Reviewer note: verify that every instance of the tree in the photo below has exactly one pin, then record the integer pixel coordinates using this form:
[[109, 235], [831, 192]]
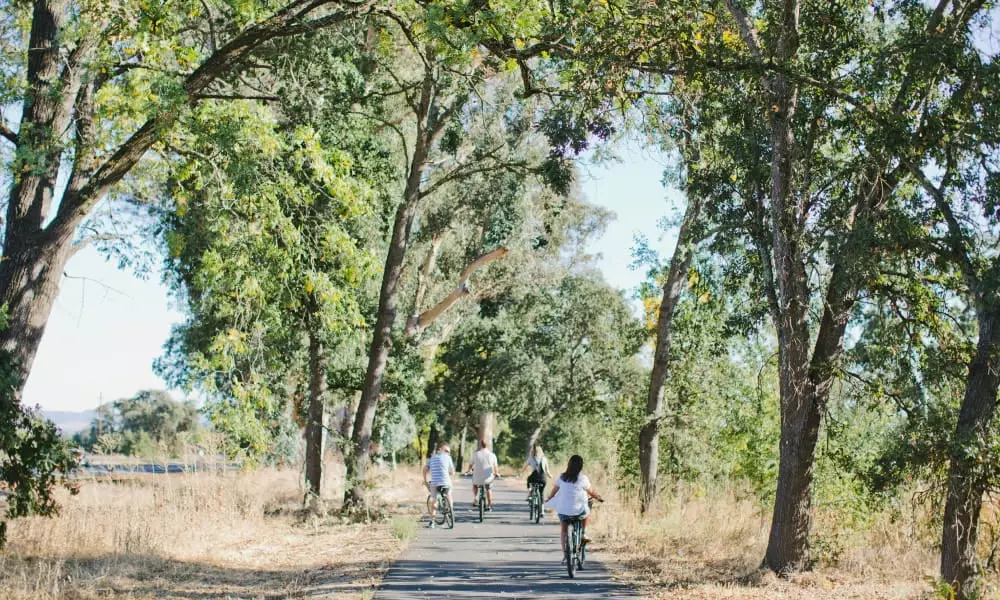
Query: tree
[[91, 107], [449, 134], [150, 415], [559, 351], [297, 229]]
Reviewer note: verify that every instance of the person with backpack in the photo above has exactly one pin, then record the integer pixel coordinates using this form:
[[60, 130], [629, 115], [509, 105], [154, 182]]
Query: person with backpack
[[539, 466]]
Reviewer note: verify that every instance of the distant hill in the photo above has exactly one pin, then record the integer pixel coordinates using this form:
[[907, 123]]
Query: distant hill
[[71, 422]]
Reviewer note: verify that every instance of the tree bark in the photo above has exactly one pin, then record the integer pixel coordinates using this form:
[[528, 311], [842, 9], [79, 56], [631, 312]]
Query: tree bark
[[29, 284], [536, 434], [966, 482], [418, 323], [378, 356], [317, 413], [649, 435], [487, 426]]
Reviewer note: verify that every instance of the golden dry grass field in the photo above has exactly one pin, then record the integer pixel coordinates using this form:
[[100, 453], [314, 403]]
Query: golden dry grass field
[[221, 537], [205, 537], [708, 546]]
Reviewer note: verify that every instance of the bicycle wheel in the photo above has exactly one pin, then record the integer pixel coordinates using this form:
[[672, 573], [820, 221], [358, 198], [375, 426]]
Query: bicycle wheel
[[531, 508], [571, 551], [482, 505], [440, 516], [538, 505], [583, 555], [449, 514]]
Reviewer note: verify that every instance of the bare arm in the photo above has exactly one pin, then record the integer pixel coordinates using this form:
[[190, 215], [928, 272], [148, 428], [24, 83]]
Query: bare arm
[[594, 495], [555, 488]]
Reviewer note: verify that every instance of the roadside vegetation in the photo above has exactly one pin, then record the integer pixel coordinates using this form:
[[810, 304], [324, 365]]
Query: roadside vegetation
[[371, 216], [181, 536]]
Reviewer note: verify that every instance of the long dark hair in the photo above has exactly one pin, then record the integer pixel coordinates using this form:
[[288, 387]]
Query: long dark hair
[[573, 469]]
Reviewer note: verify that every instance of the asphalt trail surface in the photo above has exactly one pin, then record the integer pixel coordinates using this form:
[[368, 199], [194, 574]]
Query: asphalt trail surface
[[503, 557]]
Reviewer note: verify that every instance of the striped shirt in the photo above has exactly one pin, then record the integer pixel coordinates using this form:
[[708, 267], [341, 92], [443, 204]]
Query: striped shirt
[[441, 467]]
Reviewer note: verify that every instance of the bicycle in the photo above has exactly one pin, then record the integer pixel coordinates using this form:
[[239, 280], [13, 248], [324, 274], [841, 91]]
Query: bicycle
[[444, 514], [576, 549], [535, 501], [481, 498]]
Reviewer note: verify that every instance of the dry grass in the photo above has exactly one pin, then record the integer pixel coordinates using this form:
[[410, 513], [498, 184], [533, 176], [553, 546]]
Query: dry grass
[[701, 546], [202, 536]]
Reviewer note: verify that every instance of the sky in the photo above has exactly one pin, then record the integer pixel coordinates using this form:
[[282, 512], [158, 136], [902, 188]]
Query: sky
[[108, 326]]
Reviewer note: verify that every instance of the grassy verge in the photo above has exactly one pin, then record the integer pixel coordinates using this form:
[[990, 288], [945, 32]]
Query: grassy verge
[[204, 536], [708, 545]]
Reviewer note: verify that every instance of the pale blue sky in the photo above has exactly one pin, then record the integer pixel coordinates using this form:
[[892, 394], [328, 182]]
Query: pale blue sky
[[108, 327]]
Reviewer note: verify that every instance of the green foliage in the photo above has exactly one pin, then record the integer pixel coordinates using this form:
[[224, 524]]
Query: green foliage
[[149, 424], [34, 457]]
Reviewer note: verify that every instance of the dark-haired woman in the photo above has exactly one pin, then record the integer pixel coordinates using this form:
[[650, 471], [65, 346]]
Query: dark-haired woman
[[569, 496]]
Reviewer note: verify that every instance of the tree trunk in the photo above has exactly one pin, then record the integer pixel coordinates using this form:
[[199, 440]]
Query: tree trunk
[[350, 413], [432, 440], [536, 434], [966, 481], [788, 543], [487, 426], [461, 447], [649, 435], [317, 412], [29, 284], [360, 458]]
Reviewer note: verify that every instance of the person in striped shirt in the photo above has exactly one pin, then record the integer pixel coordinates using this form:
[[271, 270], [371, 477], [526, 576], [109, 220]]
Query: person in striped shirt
[[440, 467]]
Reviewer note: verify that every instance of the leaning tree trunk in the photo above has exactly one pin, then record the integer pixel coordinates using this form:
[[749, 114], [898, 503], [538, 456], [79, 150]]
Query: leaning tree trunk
[[966, 483], [360, 457], [649, 435], [29, 283], [317, 411], [536, 434]]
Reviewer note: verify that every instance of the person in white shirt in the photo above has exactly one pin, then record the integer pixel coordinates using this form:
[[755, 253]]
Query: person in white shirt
[[440, 467], [484, 469], [569, 496]]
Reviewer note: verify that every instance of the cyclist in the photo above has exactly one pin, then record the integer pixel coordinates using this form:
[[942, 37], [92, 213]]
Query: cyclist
[[569, 496], [440, 467], [484, 469], [539, 466]]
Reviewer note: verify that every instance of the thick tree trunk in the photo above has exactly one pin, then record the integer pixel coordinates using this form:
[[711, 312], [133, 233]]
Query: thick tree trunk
[[317, 414], [649, 435], [788, 544], [487, 426], [966, 483], [29, 284], [360, 458]]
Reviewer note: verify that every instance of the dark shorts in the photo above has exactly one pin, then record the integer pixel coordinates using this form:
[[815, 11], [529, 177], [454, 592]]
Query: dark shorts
[[568, 518], [441, 489]]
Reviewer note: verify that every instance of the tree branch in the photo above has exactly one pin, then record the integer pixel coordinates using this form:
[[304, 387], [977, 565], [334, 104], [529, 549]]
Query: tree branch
[[422, 278], [8, 134], [427, 318], [288, 21], [747, 30], [262, 97]]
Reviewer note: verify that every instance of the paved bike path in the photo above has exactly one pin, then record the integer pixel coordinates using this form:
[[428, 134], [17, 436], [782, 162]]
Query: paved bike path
[[503, 557]]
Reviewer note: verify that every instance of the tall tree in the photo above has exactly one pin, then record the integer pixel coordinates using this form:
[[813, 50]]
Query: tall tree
[[451, 131], [97, 85]]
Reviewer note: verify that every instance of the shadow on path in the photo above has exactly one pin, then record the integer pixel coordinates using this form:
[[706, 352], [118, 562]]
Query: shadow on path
[[506, 556]]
